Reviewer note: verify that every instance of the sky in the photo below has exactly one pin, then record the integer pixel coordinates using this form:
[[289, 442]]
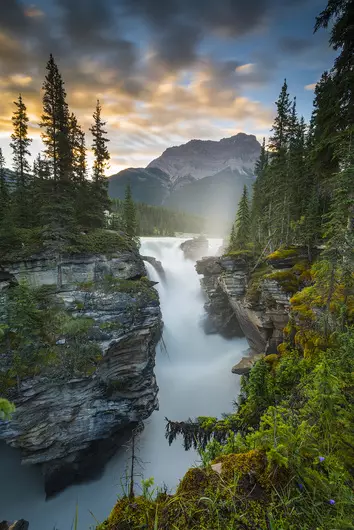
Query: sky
[[165, 71]]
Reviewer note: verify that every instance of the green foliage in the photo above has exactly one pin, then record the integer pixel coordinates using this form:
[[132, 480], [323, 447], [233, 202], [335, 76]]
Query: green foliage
[[129, 214], [6, 409], [38, 336], [156, 220], [20, 146], [98, 241], [240, 233], [98, 192]]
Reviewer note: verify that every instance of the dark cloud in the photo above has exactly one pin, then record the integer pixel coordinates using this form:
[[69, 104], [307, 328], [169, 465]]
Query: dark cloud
[[295, 45], [13, 17], [179, 25]]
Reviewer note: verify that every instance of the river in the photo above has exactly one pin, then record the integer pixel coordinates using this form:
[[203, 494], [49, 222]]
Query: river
[[194, 377]]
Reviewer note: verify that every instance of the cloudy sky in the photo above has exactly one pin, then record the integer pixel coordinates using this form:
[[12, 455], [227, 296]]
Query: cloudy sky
[[166, 71]]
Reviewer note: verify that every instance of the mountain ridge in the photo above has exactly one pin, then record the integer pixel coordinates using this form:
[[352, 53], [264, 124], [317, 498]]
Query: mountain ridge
[[194, 176]]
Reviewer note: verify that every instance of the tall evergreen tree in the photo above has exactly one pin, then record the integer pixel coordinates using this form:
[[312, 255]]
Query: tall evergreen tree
[[4, 190], [20, 148], [99, 181], [259, 197], [129, 214], [242, 226], [58, 211], [278, 180], [78, 151], [339, 14], [55, 124]]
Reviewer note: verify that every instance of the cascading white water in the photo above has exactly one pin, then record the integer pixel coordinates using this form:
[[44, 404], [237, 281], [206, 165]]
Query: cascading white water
[[194, 378]]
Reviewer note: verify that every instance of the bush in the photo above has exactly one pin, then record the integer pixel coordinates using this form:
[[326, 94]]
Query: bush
[[99, 241]]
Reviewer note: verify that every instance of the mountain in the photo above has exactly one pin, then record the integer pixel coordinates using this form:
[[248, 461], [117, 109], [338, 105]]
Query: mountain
[[198, 159], [151, 186], [202, 177]]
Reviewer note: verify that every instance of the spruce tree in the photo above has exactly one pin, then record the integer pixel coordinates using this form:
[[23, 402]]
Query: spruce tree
[[82, 188], [4, 190], [339, 16], [277, 188], [129, 214], [243, 222], [99, 182], [20, 148], [259, 197], [58, 208], [78, 151], [55, 124]]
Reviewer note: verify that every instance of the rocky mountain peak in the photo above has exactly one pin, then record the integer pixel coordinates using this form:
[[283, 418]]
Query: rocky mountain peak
[[201, 158]]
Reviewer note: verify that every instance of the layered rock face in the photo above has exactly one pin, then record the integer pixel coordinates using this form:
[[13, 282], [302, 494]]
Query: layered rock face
[[71, 427], [261, 312], [220, 315]]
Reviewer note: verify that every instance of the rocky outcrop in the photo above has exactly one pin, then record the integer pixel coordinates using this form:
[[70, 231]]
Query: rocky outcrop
[[220, 315], [261, 311], [244, 366], [157, 266], [195, 248], [71, 426]]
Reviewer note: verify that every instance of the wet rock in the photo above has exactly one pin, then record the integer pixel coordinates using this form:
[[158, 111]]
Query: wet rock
[[195, 248], [157, 266]]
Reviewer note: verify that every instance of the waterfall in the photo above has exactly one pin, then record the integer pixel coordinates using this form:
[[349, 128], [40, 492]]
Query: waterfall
[[193, 372]]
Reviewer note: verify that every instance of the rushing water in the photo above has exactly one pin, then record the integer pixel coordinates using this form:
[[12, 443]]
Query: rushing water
[[194, 378]]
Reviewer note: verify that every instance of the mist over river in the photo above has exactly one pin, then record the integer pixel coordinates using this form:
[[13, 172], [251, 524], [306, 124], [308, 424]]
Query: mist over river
[[194, 378]]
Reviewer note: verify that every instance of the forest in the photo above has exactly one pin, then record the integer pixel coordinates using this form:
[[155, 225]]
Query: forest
[[156, 220]]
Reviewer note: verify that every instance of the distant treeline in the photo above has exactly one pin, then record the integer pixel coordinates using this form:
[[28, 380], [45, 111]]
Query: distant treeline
[[158, 221]]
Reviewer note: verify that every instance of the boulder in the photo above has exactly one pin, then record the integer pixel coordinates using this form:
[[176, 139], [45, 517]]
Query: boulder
[[244, 366], [195, 248]]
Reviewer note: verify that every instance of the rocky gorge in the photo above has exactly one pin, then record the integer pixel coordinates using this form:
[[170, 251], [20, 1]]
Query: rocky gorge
[[70, 425], [244, 298]]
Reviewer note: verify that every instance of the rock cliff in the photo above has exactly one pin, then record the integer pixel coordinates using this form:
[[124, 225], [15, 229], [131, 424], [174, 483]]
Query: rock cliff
[[255, 302], [71, 426]]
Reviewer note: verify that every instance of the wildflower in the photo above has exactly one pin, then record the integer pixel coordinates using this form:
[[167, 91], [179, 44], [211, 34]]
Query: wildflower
[[332, 501], [321, 458], [300, 486]]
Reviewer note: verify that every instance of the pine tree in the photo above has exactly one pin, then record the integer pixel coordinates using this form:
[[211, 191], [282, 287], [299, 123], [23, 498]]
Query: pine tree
[[40, 189], [78, 151], [99, 181], [58, 209], [278, 179], [259, 197], [82, 187], [129, 214], [20, 148], [55, 124], [339, 15], [243, 222], [4, 190]]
